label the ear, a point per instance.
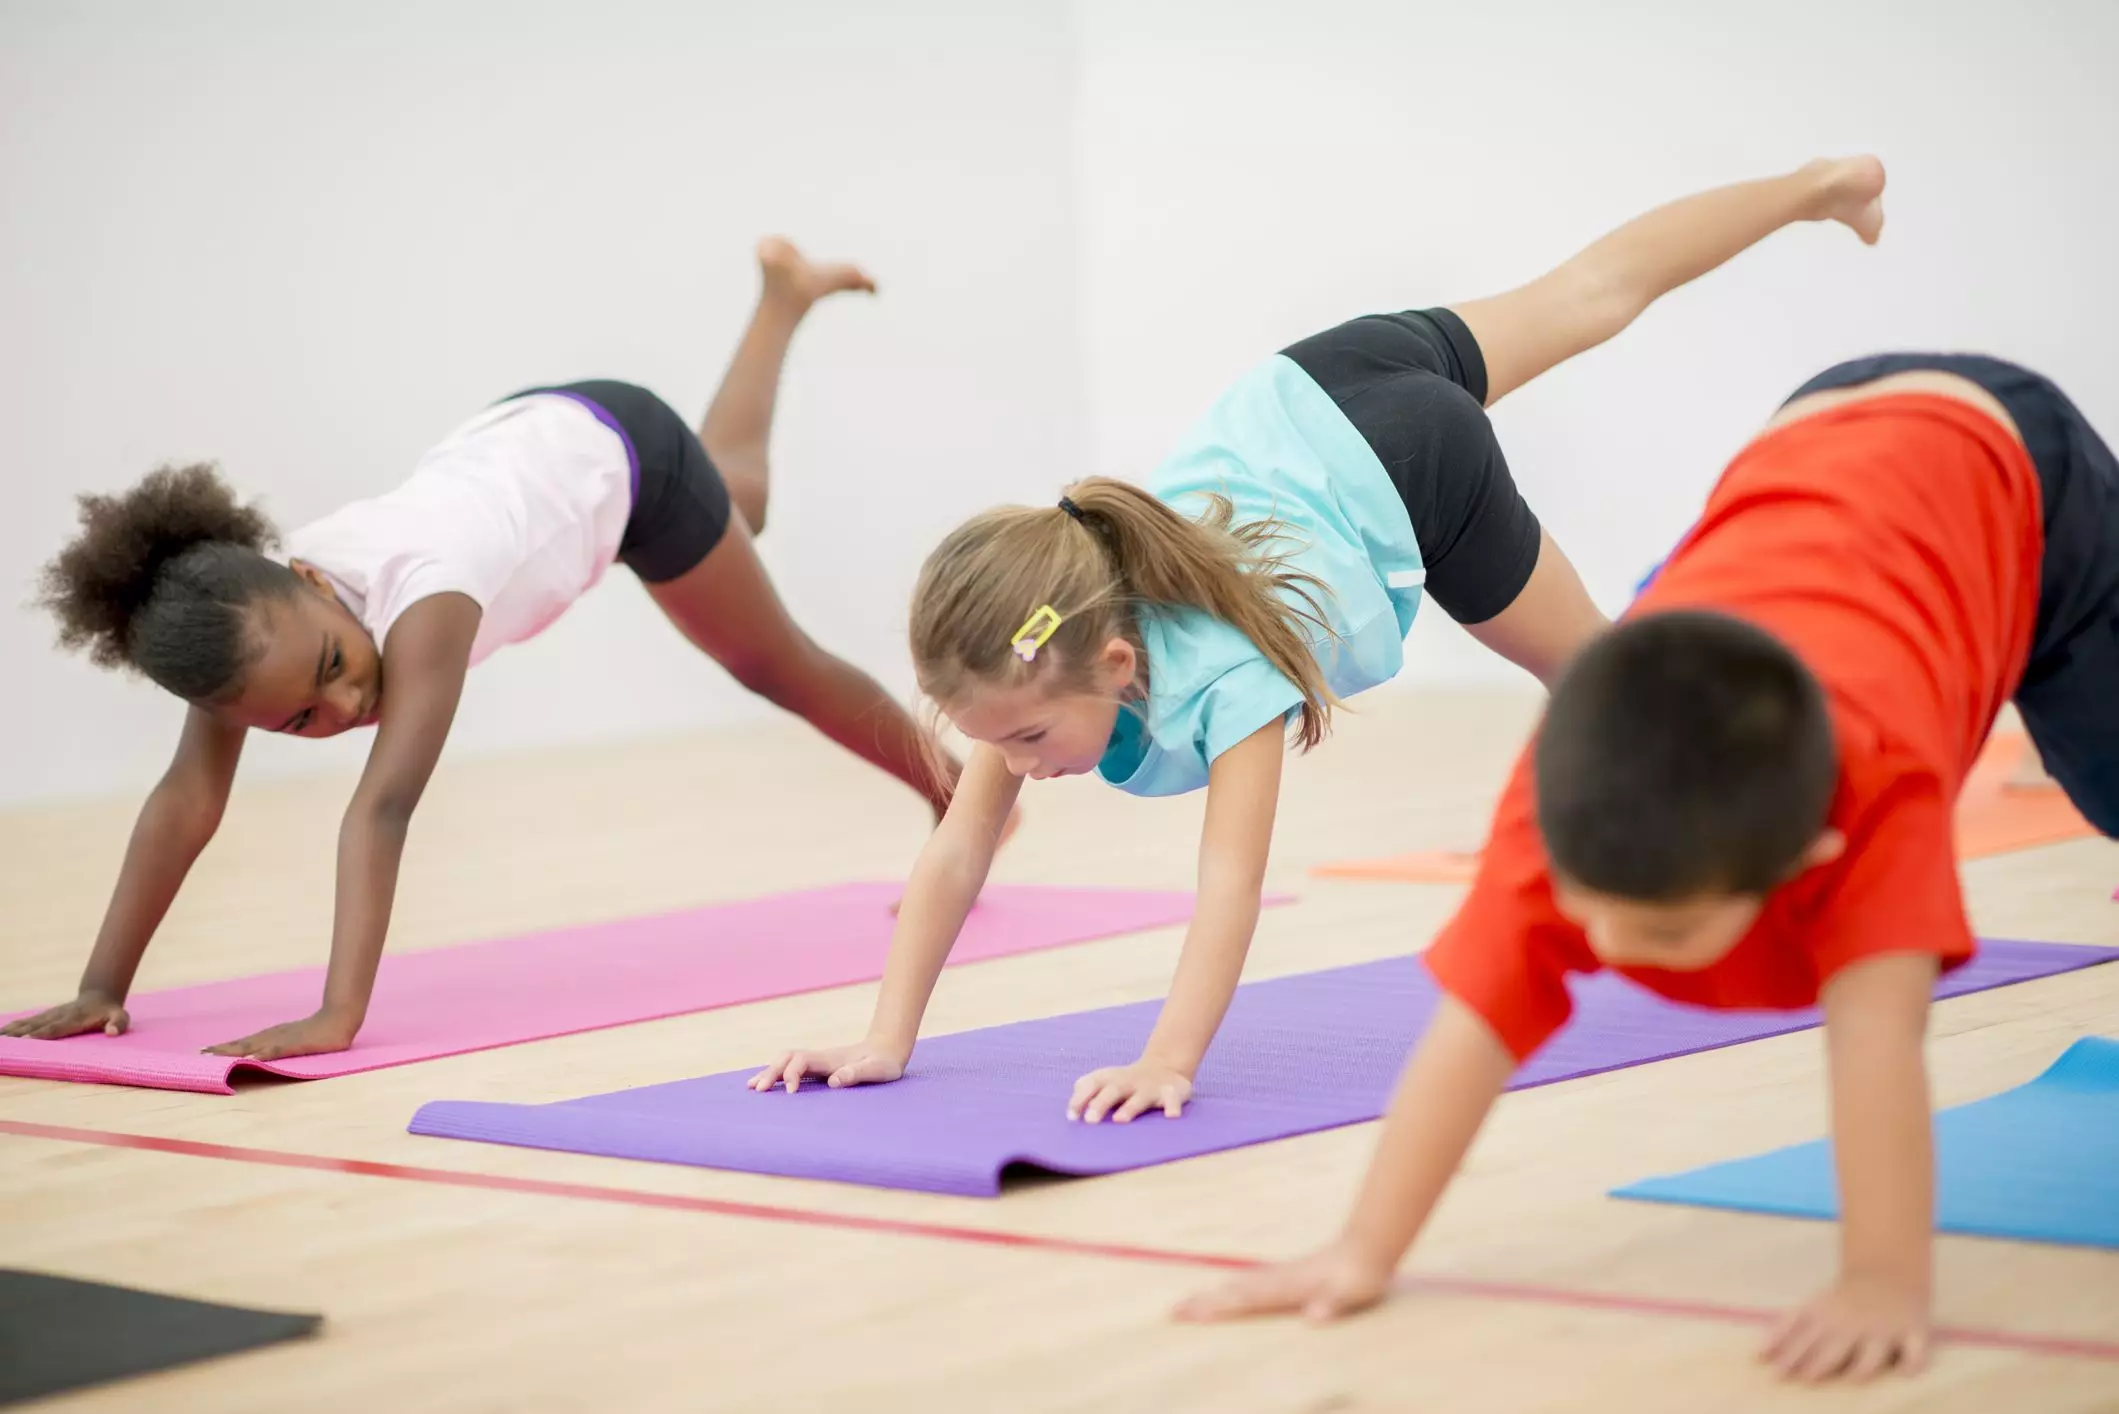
(313, 579)
(1828, 846)
(1115, 667)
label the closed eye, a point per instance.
(1032, 738)
(338, 663)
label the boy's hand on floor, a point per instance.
(312, 1036)
(1333, 1282)
(1127, 1091)
(91, 1011)
(1862, 1326)
(838, 1066)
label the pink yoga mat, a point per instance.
(479, 995)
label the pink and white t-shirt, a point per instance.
(521, 509)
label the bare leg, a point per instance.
(1548, 621)
(728, 608)
(738, 427)
(1605, 287)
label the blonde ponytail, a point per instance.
(1113, 549)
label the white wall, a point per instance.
(1251, 172)
(307, 239)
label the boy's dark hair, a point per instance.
(1683, 753)
(159, 580)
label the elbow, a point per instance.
(188, 816)
(1607, 299)
(385, 812)
(957, 856)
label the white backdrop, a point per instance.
(306, 239)
(1252, 172)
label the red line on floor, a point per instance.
(2017, 1341)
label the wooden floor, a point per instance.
(1544, 1294)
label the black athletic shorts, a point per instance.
(680, 503)
(2069, 696)
(1414, 386)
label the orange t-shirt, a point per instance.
(1893, 544)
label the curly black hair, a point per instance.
(159, 580)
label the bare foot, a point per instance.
(1853, 194)
(790, 276)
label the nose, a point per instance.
(1021, 765)
(347, 700)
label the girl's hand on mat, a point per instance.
(1336, 1281)
(839, 1066)
(312, 1036)
(1133, 1089)
(91, 1011)
(1864, 1325)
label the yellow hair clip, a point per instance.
(1035, 630)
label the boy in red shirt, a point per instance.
(1741, 797)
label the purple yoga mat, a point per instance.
(1296, 1054)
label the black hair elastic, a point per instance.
(1067, 504)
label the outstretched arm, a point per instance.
(179, 818)
(1455, 1076)
(1876, 1314)
(424, 661)
(1243, 793)
(1605, 287)
(945, 883)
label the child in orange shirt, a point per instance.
(1741, 797)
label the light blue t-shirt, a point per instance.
(1279, 448)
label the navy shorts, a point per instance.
(1414, 386)
(2069, 696)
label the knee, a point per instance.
(780, 676)
(752, 509)
(743, 470)
(765, 676)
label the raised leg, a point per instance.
(728, 608)
(1605, 287)
(738, 427)
(1553, 616)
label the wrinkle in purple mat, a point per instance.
(1296, 1054)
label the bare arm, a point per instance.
(175, 824)
(1605, 287)
(424, 662)
(1456, 1074)
(1243, 794)
(945, 883)
(1876, 1314)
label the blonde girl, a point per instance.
(1173, 638)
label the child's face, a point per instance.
(319, 674)
(1041, 733)
(1688, 935)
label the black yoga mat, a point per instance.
(58, 1334)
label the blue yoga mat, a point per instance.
(2039, 1163)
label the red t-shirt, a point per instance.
(1893, 544)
